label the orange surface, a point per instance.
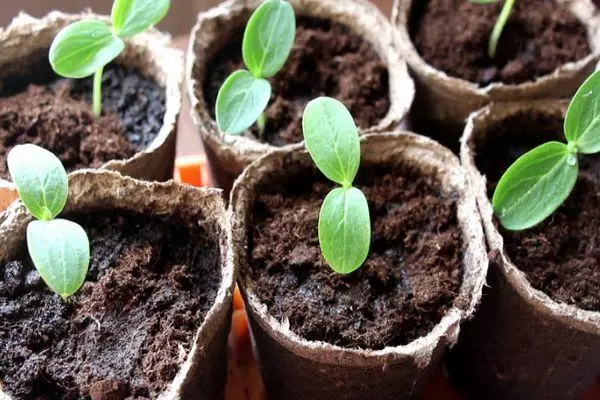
(238, 301)
(244, 381)
(193, 170)
(7, 196)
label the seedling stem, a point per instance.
(98, 92)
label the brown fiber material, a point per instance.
(203, 373)
(449, 100)
(148, 52)
(229, 154)
(522, 344)
(296, 368)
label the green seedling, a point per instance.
(59, 249)
(500, 23)
(268, 41)
(541, 180)
(332, 140)
(84, 48)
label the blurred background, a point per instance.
(180, 20)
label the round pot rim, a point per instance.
(167, 60)
(572, 315)
(112, 187)
(240, 146)
(421, 349)
(583, 10)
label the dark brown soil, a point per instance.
(58, 116)
(452, 36)
(125, 334)
(561, 256)
(327, 60)
(407, 284)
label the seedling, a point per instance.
(541, 180)
(59, 249)
(332, 140)
(500, 23)
(84, 48)
(268, 40)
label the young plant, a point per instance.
(59, 249)
(541, 180)
(85, 47)
(500, 23)
(332, 140)
(268, 40)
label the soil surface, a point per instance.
(130, 327)
(57, 115)
(453, 35)
(327, 60)
(561, 256)
(405, 287)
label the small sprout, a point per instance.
(332, 140)
(59, 249)
(267, 44)
(500, 24)
(85, 47)
(539, 181)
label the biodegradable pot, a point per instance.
(449, 100)
(522, 344)
(228, 155)
(203, 374)
(27, 37)
(296, 368)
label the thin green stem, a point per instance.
(98, 92)
(499, 27)
(261, 122)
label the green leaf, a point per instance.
(40, 178)
(332, 139)
(345, 229)
(535, 186)
(484, 1)
(582, 122)
(240, 101)
(269, 38)
(84, 47)
(60, 251)
(131, 17)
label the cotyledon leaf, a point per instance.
(269, 38)
(40, 178)
(535, 186)
(60, 251)
(82, 48)
(241, 100)
(332, 140)
(582, 121)
(131, 17)
(345, 229)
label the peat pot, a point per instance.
(151, 320)
(537, 332)
(343, 49)
(379, 331)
